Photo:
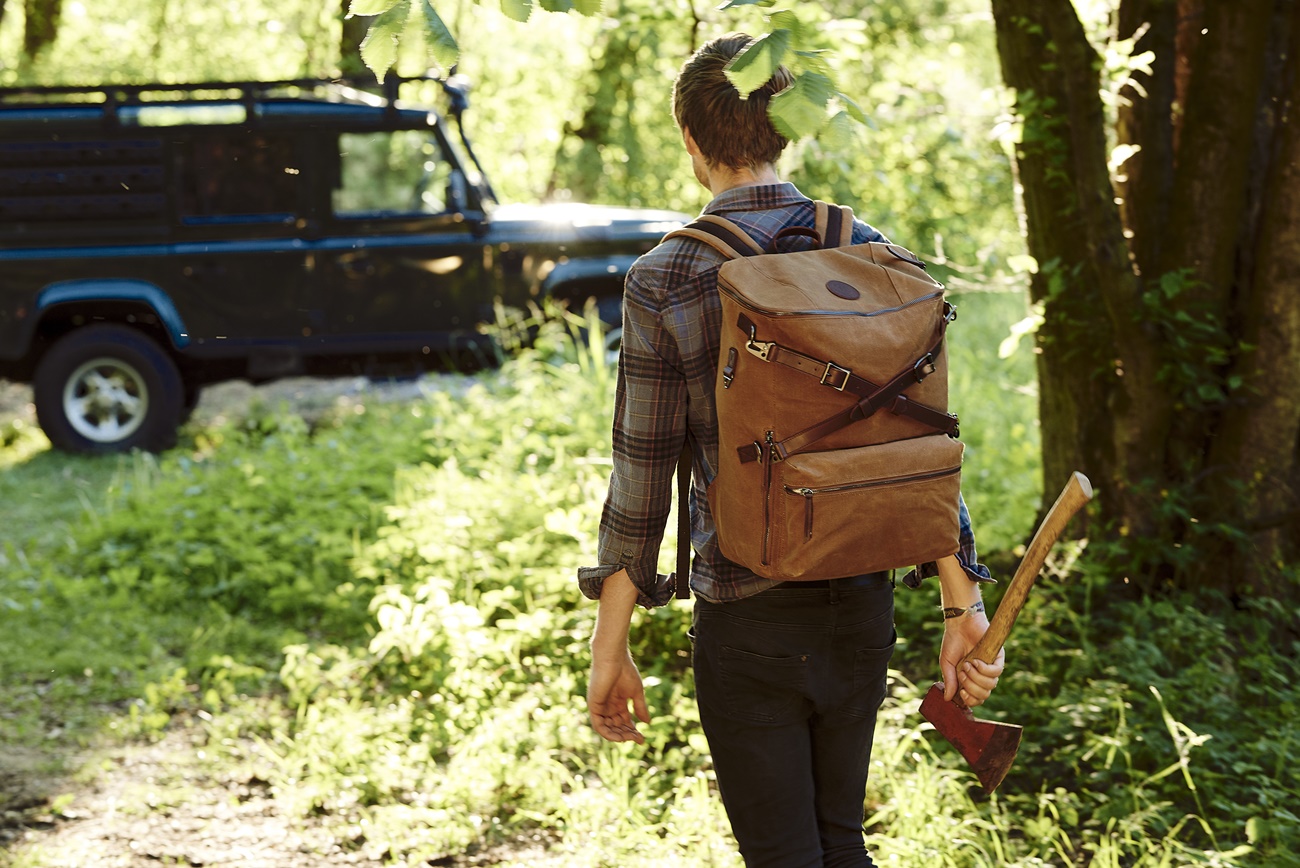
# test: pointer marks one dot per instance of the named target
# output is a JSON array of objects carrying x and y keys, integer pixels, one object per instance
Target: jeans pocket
[
  {"x": 870, "y": 678},
  {"x": 763, "y": 689}
]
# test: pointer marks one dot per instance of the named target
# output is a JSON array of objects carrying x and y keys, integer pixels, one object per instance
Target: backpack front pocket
[{"x": 906, "y": 491}]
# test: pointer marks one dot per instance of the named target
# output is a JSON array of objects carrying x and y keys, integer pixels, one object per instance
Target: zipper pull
[{"x": 807, "y": 511}]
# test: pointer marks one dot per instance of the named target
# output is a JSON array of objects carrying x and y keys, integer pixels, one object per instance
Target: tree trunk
[
  {"x": 1259, "y": 438},
  {"x": 1075, "y": 234},
  {"x": 354, "y": 31},
  {"x": 1170, "y": 356},
  {"x": 40, "y": 25}
]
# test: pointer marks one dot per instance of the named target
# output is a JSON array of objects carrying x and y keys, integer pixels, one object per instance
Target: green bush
[{"x": 378, "y": 617}]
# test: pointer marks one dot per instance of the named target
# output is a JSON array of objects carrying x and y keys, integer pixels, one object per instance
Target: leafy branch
[{"x": 813, "y": 105}]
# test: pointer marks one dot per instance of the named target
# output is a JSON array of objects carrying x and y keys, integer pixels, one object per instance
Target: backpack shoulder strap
[
  {"x": 721, "y": 234},
  {"x": 834, "y": 223}
]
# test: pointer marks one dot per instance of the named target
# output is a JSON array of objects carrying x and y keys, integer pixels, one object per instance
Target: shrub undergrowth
[{"x": 376, "y": 615}]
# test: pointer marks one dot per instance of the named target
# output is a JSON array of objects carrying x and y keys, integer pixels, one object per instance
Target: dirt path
[
  {"x": 155, "y": 805},
  {"x": 306, "y": 395}
]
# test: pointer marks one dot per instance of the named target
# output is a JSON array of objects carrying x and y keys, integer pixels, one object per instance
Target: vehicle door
[
  {"x": 400, "y": 268},
  {"x": 237, "y": 241}
]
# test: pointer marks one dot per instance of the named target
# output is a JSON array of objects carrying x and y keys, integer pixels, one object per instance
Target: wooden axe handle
[{"x": 1077, "y": 492}]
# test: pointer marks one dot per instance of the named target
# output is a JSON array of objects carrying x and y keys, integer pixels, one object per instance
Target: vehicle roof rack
[{"x": 114, "y": 96}]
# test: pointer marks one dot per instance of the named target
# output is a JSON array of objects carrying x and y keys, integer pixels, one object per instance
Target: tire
[
  {"x": 108, "y": 388},
  {"x": 190, "y": 395}
]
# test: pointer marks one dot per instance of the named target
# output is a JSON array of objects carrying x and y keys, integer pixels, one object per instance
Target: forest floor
[{"x": 162, "y": 803}]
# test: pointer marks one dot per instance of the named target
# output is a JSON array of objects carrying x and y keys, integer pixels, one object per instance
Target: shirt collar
[{"x": 758, "y": 197}]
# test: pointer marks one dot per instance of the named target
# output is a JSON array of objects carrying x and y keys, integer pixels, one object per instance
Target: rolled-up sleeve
[{"x": 649, "y": 430}]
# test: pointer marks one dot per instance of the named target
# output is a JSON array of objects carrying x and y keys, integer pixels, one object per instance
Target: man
[{"x": 789, "y": 676}]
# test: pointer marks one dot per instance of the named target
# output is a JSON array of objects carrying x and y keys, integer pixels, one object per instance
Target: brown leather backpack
[{"x": 837, "y": 455}]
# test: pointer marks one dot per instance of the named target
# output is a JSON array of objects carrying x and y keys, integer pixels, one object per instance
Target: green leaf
[
  {"x": 730, "y": 4},
  {"x": 370, "y": 7},
  {"x": 379, "y": 48},
  {"x": 788, "y": 21},
  {"x": 556, "y": 5},
  {"x": 800, "y": 110},
  {"x": 442, "y": 45},
  {"x": 854, "y": 111},
  {"x": 588, "y": 7},
  {"x": 840, "y": 134},
  {"x": 517, "y": 10},
  {"x": 751, "y": 69},
  {"x": 814, "y": 61}
]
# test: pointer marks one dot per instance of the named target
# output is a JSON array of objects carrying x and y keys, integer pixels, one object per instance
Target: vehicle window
[
  {"x": 253, "y": 177},
  {"x": 390, "y": 173}
]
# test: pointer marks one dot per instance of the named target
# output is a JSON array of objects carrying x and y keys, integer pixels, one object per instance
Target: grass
[{"x": 375, "y": 615}]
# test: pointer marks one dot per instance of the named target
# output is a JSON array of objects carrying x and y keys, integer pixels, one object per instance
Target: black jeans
[{"x": 788, "y": 684}]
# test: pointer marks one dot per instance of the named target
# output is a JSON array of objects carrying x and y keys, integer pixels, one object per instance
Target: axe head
[{"x": 988, "y": 746}]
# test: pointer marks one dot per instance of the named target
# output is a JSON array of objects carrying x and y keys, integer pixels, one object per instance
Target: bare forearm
[
  {"x": 955, "y": 587},
  {"x": 614, "y": 614}
]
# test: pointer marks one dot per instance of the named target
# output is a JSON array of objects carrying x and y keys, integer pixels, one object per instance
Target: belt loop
[{"x": 835, "y": 592}]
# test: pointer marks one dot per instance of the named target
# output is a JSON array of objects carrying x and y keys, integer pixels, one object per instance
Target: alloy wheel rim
[{"x": 105, "y": 400}]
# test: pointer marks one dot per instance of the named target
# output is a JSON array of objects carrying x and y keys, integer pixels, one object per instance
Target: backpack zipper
[
  {"x": 807, "y": 493},
  {"x": 769, "y": 459},
  {"x": 769, "y": 312}
]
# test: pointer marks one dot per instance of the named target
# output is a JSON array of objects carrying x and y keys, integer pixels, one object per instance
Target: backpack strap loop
[
  {"x": 792, "y": 231},
  {"x": 834, "y": 223},
  {"x": 721, "y": 234}
]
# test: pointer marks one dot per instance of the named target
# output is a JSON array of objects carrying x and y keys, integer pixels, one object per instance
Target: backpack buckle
[
  {"x": 762, "y": 349},
  {"x": 827, "y": 379},
  {"x": 924, "y": 367}
]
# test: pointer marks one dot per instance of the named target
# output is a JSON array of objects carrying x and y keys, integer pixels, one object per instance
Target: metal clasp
[
  {"x": 831, "y": 366},
  {"x": 762, "y": 349},
  {"x": 924, "y": 367}
]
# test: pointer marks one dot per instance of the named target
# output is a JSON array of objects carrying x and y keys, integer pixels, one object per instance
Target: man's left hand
[{"x": 975, "y": 679}]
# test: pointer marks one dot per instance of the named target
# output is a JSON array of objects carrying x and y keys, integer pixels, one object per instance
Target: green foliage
[
  {"x": 575, "y": 107},
  {"x": 1197, "y": 346},
  {"x": 996, "y": 398},
  {"x": 426, "y": 684},
  {"x": 144, "y": 40},
  {"x": 263, "y": 534}
]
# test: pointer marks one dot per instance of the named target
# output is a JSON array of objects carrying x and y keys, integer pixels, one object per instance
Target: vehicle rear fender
[{"x": 120, "y": 299}]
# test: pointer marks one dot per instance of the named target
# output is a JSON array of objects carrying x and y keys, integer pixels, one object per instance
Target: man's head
[{"x": 731, "y": 132}]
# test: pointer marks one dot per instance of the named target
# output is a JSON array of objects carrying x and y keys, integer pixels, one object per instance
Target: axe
[{"x": 991, "y": 747}]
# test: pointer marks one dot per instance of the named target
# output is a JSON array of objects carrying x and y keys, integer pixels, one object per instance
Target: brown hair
[{"x": 729, "y": 130}]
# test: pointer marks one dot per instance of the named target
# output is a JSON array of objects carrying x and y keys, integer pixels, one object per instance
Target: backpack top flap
[{"x": 864, "y": 279}]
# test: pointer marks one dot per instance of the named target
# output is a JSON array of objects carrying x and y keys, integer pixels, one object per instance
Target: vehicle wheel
[
  {"x": 108, "y": 388},
  {"x": 190, "y": 395}
]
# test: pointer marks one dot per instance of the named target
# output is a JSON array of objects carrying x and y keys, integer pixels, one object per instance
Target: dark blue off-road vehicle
[{"x": 156, "y": 239}]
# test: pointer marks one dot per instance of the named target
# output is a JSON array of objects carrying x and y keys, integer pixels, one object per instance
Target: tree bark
[
  {"x": 1146, "y": 121},
  {"x": 1170, "y": 355},
  {"x": 40, "y": 24},
  {"x": 1255, "y": 453},
  {"x": 1085, "y": 278},
  {"x": 354, "y": 31}
]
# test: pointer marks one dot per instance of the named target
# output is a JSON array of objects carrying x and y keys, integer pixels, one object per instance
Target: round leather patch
[{"x": 843, "y": 290}]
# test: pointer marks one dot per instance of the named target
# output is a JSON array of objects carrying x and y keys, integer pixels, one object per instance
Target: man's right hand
[{"x": 615, "y": 682}]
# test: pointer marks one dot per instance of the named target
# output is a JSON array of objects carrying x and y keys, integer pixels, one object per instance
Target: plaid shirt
[{"x": 667, "y": 368}]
